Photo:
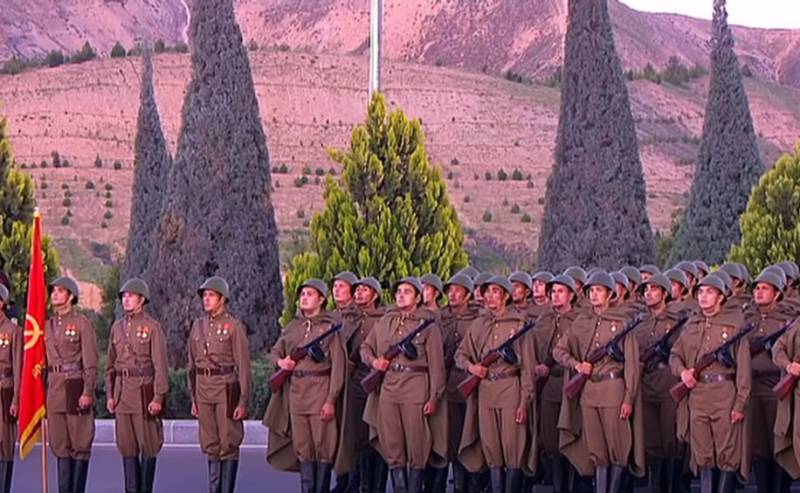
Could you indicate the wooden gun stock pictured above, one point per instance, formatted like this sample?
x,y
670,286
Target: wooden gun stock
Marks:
x,y
785,387
469,384
375,377
280,377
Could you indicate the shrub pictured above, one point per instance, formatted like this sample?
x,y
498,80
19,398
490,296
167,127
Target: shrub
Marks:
x,y
487,216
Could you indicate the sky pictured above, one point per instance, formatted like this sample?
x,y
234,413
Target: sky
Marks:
x,y
752,13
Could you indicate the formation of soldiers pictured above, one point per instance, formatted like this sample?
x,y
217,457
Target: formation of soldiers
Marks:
x,y
581,380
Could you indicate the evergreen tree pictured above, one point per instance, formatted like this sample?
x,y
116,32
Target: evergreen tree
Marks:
x,y
387,216
218,218
595,204
728,164
151,168
771,223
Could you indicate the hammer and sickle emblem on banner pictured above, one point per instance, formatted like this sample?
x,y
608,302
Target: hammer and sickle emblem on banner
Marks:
x,y
33,333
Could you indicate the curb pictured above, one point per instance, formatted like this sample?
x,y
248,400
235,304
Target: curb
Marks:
x,y
183,432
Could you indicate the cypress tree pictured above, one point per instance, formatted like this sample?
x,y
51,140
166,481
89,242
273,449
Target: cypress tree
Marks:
x,y
728,164
218,218
389,214
771,223
151,167
595,204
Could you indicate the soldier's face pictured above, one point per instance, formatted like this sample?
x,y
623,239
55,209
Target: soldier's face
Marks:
x,y
406,297
131,302
646,276
539,289
519,292
478,294
677,290
60,296
579,287
599,295
765,294
429,294
311,300
709,298
560,295
456,295
654,295
622,291
212,301
495,297
342,293
365,295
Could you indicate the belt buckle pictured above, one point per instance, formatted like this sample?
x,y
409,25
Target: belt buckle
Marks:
x,y
126,373
206,372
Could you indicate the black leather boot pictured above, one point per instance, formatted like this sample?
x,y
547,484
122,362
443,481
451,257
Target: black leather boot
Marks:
x,y
308,471
415,477
459,478
132,474
80,471
6,472
476,481
214,475
762,470
228,469
616,479
354,476
342,484
707,480
601,479
148,474
323,477
496,480
399,480
727,482
513,480
65,475
380,474
428,478
560,474
656,475
781,481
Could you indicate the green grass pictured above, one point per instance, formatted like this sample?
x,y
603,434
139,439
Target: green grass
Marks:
x,y
76,256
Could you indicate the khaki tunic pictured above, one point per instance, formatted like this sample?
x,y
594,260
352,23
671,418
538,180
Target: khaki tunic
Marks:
x,y
787,439
398,428
11,349
661,440
551,327
454,328
219,342
70,339
312,385
500,440
358,437
608,439
704,417
137,343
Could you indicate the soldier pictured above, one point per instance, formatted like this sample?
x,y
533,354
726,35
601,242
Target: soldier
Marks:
x,y
407,416
690,270
647,271
479,280
739,298
664,453
432,291
609,402
792,274
711,419
551,326
136,383
634,279
219,383
499,435
313,389
681,292
769,315
456,319
11,346
71,346
579,276
470,271
702,269
621,289
786,355
522,289
541,280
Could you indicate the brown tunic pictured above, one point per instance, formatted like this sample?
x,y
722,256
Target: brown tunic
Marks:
x,y
358,436
704,417
71,343
786,436
11,348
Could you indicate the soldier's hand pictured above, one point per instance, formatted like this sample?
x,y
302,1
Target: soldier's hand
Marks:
x,y
429,408
625,411
286,363
13,410
793,369
687,377
328,412
585,368
111,405
154,408
521,415
542,371
736,416
479,371
380,364
194,409
85,401
239,413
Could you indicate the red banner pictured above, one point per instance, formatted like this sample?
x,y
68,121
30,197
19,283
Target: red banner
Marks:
x,y
32,393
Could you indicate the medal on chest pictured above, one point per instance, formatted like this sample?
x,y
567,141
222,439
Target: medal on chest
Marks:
x,y
143,333
70,330
5,340
223,331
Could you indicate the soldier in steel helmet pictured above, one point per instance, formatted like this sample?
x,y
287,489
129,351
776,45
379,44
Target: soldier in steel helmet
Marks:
x,y
11,348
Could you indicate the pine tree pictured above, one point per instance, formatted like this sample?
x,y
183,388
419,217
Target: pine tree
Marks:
x,y
728,164
151,169
595,204
771,223
218,218
388,215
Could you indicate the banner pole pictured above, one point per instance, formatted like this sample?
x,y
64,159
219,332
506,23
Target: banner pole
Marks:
x,y
44,456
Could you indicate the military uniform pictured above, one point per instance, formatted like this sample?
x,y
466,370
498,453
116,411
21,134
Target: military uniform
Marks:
x,y
787,417
137,374
11,348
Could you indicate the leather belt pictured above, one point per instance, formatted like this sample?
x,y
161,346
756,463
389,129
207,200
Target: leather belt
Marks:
x,y
716,377
408,368
310,373
65,368
602,377
136,372
215,372
501,375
